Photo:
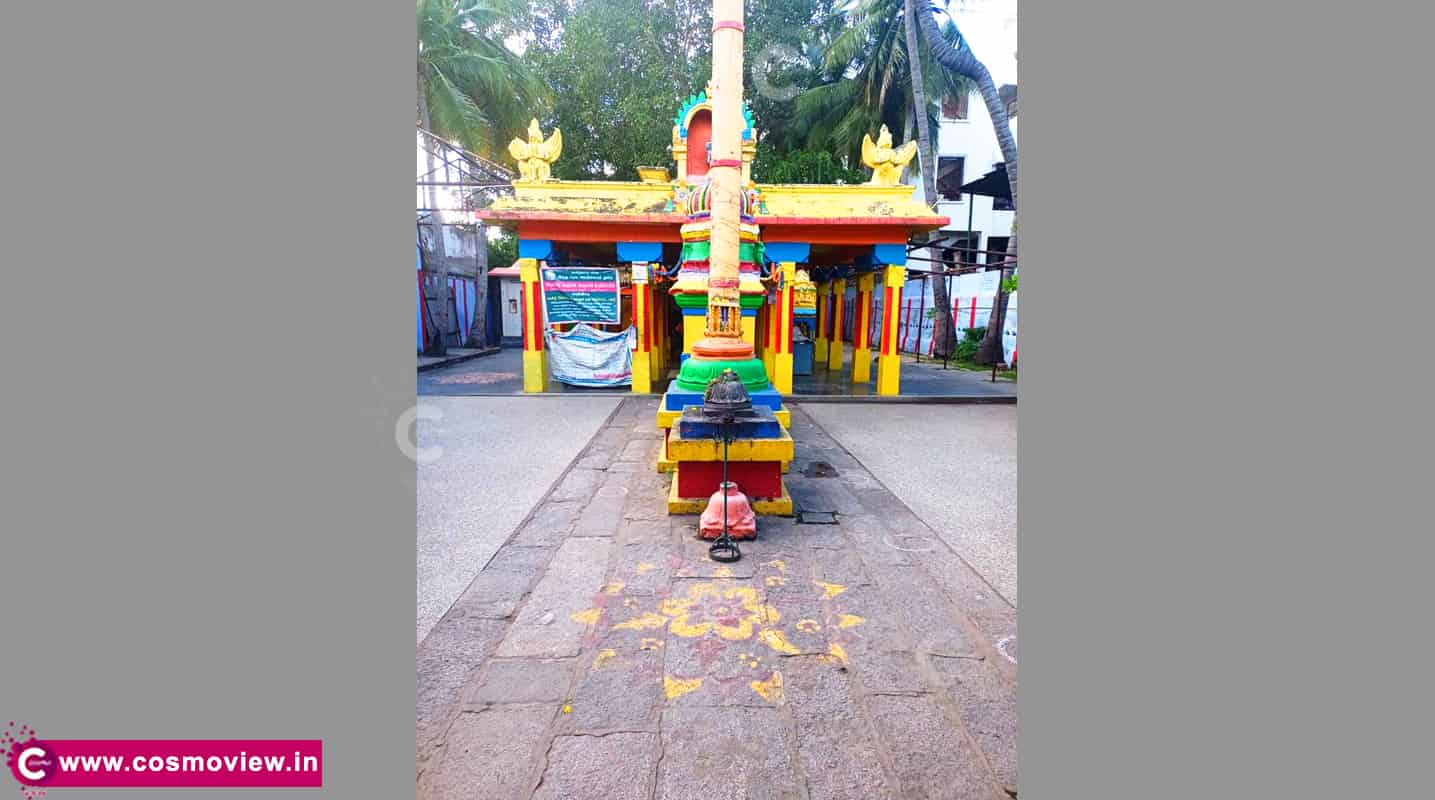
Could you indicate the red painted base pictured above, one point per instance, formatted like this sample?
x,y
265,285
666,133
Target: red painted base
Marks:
x,y
754,478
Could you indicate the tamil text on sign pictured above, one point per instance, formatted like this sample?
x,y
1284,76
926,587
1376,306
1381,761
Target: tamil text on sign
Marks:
x,y
581,294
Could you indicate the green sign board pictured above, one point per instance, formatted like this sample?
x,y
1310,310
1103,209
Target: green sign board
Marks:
x,y
581,294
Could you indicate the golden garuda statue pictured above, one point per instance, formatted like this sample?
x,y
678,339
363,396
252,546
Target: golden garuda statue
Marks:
x,y
535,157
885,161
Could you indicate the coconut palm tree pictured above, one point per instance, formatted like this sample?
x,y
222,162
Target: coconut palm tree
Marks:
x,y
926,160
472,90
869,81
958,58
874,83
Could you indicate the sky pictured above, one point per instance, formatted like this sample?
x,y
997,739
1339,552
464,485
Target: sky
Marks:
x,y
990,30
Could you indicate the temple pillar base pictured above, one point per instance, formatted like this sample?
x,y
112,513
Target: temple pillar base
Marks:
x,y
535,371
862,365
889,375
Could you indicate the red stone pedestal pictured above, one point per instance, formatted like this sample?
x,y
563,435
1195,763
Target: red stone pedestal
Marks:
x,y
757,478
741,520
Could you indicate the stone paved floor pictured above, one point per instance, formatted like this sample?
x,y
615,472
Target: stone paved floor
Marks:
x,y
460,524
600,654
968,494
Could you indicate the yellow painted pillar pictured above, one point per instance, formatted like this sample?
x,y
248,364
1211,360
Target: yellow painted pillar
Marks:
x,y
819,342
658,314
834,352
889,363
535,360
749,330
861,331
642,326
693,328
664,337
781,372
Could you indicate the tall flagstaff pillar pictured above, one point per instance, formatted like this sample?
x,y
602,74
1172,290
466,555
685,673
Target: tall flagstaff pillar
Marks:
x,y
889,363
715,207
861,331
819,342
834,353
535,360
722,334
722,345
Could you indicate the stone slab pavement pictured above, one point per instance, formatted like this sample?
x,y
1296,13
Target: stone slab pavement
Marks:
x,y
965,484
499,374
455,355
600,654
495,461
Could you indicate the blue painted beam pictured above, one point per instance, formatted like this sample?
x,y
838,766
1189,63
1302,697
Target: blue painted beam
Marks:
x,y
889,254
540,249
640,251
783,252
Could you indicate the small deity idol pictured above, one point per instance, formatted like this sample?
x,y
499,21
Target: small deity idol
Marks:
x,y
535,157
885,161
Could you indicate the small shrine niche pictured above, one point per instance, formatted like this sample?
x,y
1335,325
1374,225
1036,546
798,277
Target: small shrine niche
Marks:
x,y
700,144
692,139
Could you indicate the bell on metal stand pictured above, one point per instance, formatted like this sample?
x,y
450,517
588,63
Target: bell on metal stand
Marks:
x,y
725,400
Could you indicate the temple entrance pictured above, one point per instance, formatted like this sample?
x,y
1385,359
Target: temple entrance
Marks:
x,y
674,330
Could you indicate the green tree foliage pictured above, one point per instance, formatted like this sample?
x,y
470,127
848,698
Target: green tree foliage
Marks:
x,y
783,46
619,70
820,74
868,81
503,249
802,166
471,87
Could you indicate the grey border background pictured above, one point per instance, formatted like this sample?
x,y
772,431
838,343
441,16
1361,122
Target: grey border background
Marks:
x,y
210,535
1218,576
208,331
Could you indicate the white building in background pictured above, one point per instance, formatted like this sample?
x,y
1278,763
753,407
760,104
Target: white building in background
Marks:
x,y
967,149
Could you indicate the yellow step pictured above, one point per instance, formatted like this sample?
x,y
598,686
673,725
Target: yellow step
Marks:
x,y
779,449
667,418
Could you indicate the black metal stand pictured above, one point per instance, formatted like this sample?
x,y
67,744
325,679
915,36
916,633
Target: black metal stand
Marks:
x,y
724,548
725,400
